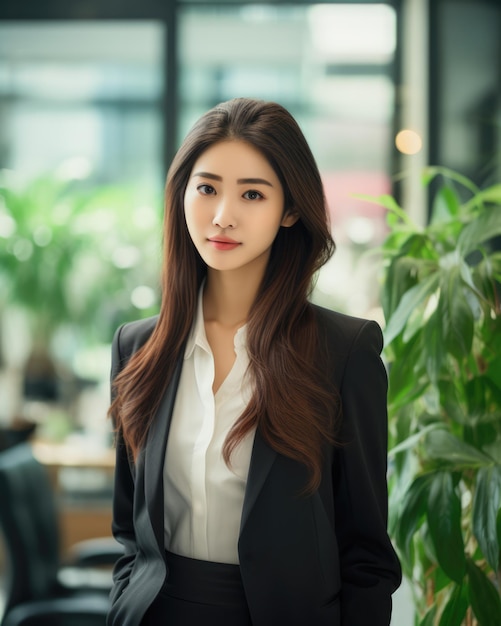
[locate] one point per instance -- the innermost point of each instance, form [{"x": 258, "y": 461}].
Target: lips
[{"x": 223, "y": 243}]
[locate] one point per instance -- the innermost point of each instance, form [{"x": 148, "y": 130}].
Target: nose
[{"x": 224, "y": 216}]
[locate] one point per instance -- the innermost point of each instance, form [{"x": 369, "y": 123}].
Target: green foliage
[
  {"x": 70, "y": 256},
  {"x": 441, "y": 300}
]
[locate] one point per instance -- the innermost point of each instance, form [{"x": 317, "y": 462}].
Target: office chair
[{"x": 36, "y": 592}]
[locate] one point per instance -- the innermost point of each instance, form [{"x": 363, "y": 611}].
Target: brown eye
[
  {"x": 206, "y": 190},
  {"x": 252, "y": 194}
]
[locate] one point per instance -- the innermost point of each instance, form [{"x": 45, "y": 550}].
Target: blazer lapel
[
  {"x": 262, "y": 458},
  {"x": 155, "y": 454}
]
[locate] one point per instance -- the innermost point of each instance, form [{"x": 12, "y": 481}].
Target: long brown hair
[{"x": 292, "y": 404}]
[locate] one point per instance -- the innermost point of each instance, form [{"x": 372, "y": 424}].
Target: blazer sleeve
[
  {"x": 122, "y": 524},
  {"x": 370, "y": 570}
]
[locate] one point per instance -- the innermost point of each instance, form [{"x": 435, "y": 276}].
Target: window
[{"x": 331, "y": 66}]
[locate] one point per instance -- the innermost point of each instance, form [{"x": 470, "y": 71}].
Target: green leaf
[
  {"x": 490, "y": 195},
  {"x": 405, "y": 381},
  {"x": 444, "y": 522},
  {"x": 455, "y": 609},
  {"x": 388, "y": 202},
  {"x": 486, "y": 505},
  {"x": 441, "y": 580},
  {"x": 456, "y": 314},
  {"x": 433, "y": 345},
  {"x": 429, "y": 618},
  {"x": 475, "y": 396},
  {"x": 410, "y": 300},
  {"x": 493, "y": 449},
  {"x": 452, "y": 401},
  {"x": 413, "y": 440},
  {"x": 467, "y": 278},
  {"x": 484, "y": 597},
  {"x": 498, "y": 527},
  {"x": 494, "y": 371},
  {"x": 412, "y": 513},
  {"x": 444, "y": 446},
  {"x": 445, "y": 205},
  {"x": 432, "y": 171},
  {"x": 400, "y": 276},
  {"x": 419, "y": 249},
  {"x": 396, "y": 238},
  {"x": 428, "y": 174},
  {"x": 486, "y": 226},
  {"x": 482, "y": 435},
  {"x": 414, "y": 325}
]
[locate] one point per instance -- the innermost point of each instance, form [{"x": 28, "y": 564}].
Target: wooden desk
[
  {"x": 57, "y": 455},
  {"x": 78, "y": 520}
]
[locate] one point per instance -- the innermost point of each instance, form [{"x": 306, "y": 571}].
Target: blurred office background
[{"x": 95, "y": 97}]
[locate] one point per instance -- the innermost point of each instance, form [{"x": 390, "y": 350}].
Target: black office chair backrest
[{"x": 29, "y": 520}]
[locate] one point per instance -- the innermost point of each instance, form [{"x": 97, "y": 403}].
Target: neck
[{"x": 228, "y": 297}]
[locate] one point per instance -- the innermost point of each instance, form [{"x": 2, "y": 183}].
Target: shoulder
[
  {"x": 131, "y": 336},
  {"x": 345, "y": 332},
  {"x": 349, "y": 351}
]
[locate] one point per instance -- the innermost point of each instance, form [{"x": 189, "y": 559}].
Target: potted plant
[
  {"x": 71, "y": 254},
  {"x": 442, "y": 304}
]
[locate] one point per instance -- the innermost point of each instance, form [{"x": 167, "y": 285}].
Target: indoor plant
[
  {"x": 441, "y": 300},
  {"x": 71, "y": 255}
]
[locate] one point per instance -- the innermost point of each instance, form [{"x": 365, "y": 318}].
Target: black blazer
[{"x": 323, "y": 559}]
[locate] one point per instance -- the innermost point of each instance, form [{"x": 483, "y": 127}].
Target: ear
[{"x": 289, "y": 219}]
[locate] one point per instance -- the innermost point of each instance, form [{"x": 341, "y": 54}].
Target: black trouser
[{"x": 199, "y": 592}]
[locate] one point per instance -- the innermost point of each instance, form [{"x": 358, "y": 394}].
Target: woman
[{"x": 251, "y": 425}]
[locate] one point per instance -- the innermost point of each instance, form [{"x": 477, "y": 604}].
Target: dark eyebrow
[
  {"x": 240, "y": 181},
  {"x": 208, "y": 175},
  {"x": 254, "y": 181}
]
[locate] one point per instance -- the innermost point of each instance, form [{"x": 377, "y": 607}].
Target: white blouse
[{"x": 203, "y": 497}]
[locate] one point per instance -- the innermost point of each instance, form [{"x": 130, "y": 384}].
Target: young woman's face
[{"x": 234, "y": 206}]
